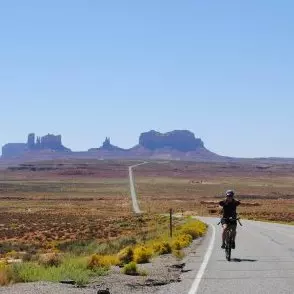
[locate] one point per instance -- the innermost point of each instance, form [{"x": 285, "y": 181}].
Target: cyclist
[{"x": 229, "y": 209}]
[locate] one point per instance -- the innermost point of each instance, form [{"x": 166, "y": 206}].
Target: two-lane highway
[
  {"x": 136, "y": 208},
  {"x": 263, "y": 261}
]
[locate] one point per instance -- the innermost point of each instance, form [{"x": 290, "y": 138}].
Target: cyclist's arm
[
  {"x": 248, "y": 204},
  {"x": 221, "y": 207},
  {"x": 210, "y": 202}
]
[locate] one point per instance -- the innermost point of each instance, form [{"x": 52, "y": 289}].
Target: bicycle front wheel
[
  {"x": 228, "y": 252},
  {"x": 229, "y": 245}
]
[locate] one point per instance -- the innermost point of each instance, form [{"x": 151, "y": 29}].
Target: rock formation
[
  {"x": 107, "y": 146},
  {"x": 48, "y": 142},
  {"x": 52, "y": 142},
  {"x": 183, "y": 141},
  {"x": 175, "y": 145},
  {"x": 13, "y": 149},
  {"x": 31, "y": 141}
]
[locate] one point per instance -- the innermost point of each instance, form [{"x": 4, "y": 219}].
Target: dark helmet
[{"x": 230, "y": 193}]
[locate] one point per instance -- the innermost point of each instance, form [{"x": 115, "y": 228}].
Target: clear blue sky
[{"x": 90, "y": 69}]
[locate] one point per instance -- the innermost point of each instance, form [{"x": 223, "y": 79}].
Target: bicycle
[{"x": 229, "y": 235}]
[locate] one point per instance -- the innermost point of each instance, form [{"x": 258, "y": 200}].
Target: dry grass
[
  {"x": 84, "y": 208},
  {"x": 5, "y": 275},
  {"x": 45, "y": 205},
  {"x": 46, "y": 212},
  {"x": 104, "y": 261},
  {"x": 50, "y": 259},
  {"x": 183, "y": 186}
]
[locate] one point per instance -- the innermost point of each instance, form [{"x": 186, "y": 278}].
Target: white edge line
[{"x": 196, "y": 282}]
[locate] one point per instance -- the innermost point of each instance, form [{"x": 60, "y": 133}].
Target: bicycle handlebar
[{"x": 231, "y": 219}]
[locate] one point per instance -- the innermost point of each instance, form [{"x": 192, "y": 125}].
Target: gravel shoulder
[{"x": 163, "y": 273}]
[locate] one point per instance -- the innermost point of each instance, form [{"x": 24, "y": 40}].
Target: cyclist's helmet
[{"x": 230, "y": 193}]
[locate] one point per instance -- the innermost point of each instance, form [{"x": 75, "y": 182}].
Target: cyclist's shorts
[{"x": 228, "y": 222}]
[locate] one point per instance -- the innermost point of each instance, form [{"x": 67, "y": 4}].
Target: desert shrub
[
  {"x": 78, "y": 247},
  {"x": 104, "y": 261},
  {"x": 176, "y": 245},
  {"x": 50, "y": 259},
  {"x": 72, "y": 268},
  {"x": 82, "y": 247},
  {"x": 127, "y": 241},
  {"x": 131, "y": 269},
  {"x": 114, "y": 246},
  {"x": 126, "y": 255},
  {"x": 28, "y": 257},
  {"x": 13, "y": 254},
  {"x": 195, "y": 228},
  {"x": 142, "y": 254},
  {"x": 7, "y": 247},
  {"x": 182, "y": 241},
  {"x": 185, "y": 240},
  {"x": 162, "y": 247}
]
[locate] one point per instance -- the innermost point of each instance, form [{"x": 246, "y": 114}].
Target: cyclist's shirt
[{"x": 229, "y": 208}]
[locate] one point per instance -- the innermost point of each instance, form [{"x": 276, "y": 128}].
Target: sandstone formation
[
  {"x": 107, "y": 146},
  {"x": 183, "y": 141},
  {"x": 13, "y": 149},
  {"x": 48, "y": 142},
  {"x": 51, "y": 142},
  {"x": 175, "y": 145}
]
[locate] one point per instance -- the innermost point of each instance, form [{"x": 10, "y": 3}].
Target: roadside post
[{"x": 171, "y": 222}]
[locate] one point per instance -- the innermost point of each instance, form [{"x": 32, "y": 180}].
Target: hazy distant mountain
[
  {"x": 183, "y": 141},
  {"x": 175, "y": 145},
  {"x": 179, "y": 144},
  {"x": 35, "y": 145},
  {"x": 106, "y": 146}
]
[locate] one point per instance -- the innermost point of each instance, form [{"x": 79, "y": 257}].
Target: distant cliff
[
  {"x": 183, "y": 141},
  {"x": 14, "y": 149},
  {"x": 48, "y": 142},
  {"x": 175, "y": 145}
]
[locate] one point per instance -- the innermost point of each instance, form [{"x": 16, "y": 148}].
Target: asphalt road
[
  {"x": 136, "y": 208},
  {"x": 263, "y": 262}
]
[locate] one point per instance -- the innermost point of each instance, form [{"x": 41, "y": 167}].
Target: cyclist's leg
[
  {"x": 234, "y": 233},
  {"x": 225, "y": 226}
]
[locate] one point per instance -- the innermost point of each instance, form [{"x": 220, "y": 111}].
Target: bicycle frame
[
  {"x": 228, "y": 241},
  {"x": 229, "y": 236}
]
